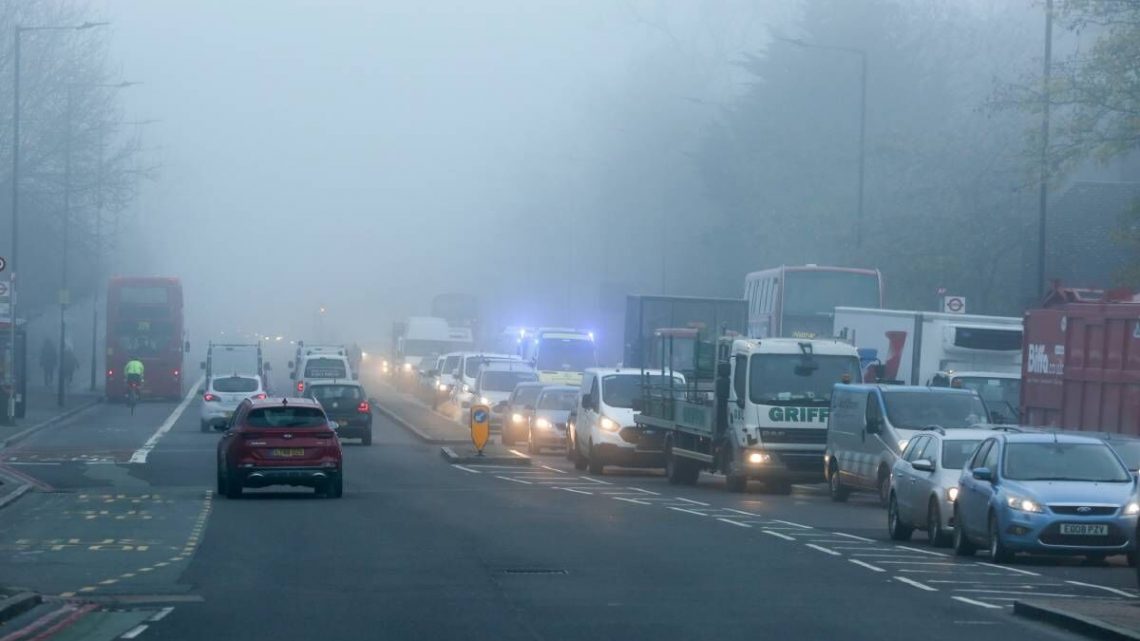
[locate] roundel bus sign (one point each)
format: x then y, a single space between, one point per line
954 304
480 426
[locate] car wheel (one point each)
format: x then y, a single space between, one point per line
962 544
203 426
579 460
1131 559
233 487
835 487
934 529
1096 559
334 489
884 487
221 489
899 531
594 462
532 447
367 438
998 552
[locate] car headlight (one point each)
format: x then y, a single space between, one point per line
443 387
1023 505
608 424
407 367
902 444
516 418
543 424
1132 508
484 400
952 494
757 458
466 388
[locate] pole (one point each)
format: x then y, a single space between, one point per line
98 259
10 366
1043 193
66 233
862 146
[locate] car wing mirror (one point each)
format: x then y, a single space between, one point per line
923 465
983 474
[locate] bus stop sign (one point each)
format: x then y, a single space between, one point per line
480 426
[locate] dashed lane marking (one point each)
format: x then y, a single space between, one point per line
980 604
143 452
553 469
915 584
514 480
873 568
134 632
852 536
1008 569
466 469
731 522
921 551
629 500
778 535
570 489
823 549
686 510
161 614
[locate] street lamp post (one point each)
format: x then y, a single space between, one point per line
13 262
1043 190
862 123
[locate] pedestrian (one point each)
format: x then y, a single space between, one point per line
48 360
70 364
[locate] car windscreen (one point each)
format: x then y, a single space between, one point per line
505 381
1060 461
235 384
1002 395
271 417
918 410
471 368
955 453
565 355
336 392
1129 452
619 390
560 400
527 395
325 368
450 364
776 379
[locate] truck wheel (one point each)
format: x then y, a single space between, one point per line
835 487
593 463
680 471
735 483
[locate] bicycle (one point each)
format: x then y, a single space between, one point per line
132 395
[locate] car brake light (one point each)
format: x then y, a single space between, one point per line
176 373
209 397
110 373
363 408
260 397
300 386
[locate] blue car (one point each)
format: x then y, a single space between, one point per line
1046 493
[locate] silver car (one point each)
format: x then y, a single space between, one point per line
222 396
924 483
551 412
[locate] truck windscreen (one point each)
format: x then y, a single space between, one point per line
783 379
565 355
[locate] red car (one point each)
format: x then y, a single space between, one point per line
282 441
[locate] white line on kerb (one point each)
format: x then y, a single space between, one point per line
736 523
466 469
1008 569
823 549
915 584
161 614
977 603
864 564
1103 587
778 534
852 536
140 454
507 478
134 632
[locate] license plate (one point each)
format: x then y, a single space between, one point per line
1084 529
288 452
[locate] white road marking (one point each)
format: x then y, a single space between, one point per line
553 469
507 478
1103 587
680 498
638 489
949 565
140 454
134 632
161 614
864 564
570 489
799 525
466 469
1008 569
518 453
681 509
742 512
736 523
823 549
777 534
921 551
628 500
915 584
852 536
594 480
977 603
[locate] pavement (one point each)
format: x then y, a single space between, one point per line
1107 619
415 416
132 543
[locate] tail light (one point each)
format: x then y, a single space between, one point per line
300 387
260 397
110 373
364 407
328 434
210 398
177 372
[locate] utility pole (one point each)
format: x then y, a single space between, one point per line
65 242
1043 194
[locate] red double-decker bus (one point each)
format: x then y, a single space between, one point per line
144 321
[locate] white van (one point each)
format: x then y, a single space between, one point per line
319 363
462 390
604 432
869 426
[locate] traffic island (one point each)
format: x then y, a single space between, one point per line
492 455
1116 620
14 604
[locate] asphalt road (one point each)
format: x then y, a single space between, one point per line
419 549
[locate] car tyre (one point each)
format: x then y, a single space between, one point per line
221 488
899 531
203 426
580 461
1131 559
839 492
334 489
884 487
963 546
594 464
233 487
367 438
938 536
999 553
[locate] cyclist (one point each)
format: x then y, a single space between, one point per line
134 372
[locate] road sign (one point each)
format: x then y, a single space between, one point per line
3 263
3 290
954 304
480 426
